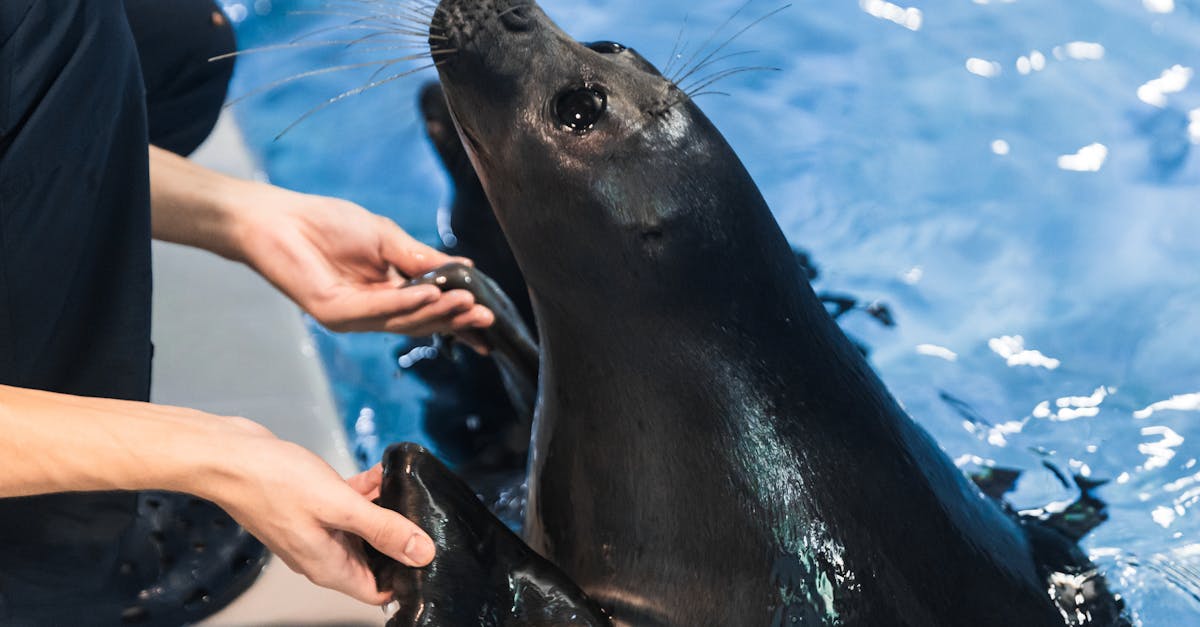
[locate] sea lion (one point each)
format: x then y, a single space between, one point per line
709 448
467 414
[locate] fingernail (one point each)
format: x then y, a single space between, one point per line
484 319
419 549
429 294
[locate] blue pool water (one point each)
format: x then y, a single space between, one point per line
1017 179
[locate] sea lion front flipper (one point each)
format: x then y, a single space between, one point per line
512 344
996 482
483 573
1082 516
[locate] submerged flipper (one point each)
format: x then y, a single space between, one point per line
511 343
838 305
1075 584
483 573
996 482
1082 516
1074 521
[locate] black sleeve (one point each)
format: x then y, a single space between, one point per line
184 90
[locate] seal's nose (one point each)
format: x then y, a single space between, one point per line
513 15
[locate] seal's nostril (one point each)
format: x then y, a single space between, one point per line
517 17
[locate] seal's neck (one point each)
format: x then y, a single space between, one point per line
735 292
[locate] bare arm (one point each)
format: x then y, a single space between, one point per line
290 499
335 259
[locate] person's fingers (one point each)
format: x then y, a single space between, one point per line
368 482
342 568
372 595
479 317
359 582
466 328
353 310
432 318
408 255
361 588
467 317
390 533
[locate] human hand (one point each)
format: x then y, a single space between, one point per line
309 516
285 495
346 266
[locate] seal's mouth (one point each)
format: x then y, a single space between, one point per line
475 151
474 146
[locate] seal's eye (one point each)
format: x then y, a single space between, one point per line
606 47
579 109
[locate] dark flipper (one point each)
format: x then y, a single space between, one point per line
806 264
839 305
1073 522
512 345
1075 584
483 573
996 482
1082 516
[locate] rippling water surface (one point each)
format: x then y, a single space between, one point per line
1017 179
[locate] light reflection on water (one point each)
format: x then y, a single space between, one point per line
1017 179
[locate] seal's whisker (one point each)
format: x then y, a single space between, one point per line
417 45
512 9
352 92
381 31
396 19
713 36
374 36
393 8
431 54
697 85
675 50
274 47
333 29
424 9
318 72
716 60
391 29
391 4
377 6
374 20
708 93
374 75
718 49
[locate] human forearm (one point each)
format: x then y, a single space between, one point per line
195 206
286 496
338 261
61 443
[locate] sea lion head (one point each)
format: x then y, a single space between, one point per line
588 152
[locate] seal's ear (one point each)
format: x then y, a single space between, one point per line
483 573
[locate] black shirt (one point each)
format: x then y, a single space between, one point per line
74 270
